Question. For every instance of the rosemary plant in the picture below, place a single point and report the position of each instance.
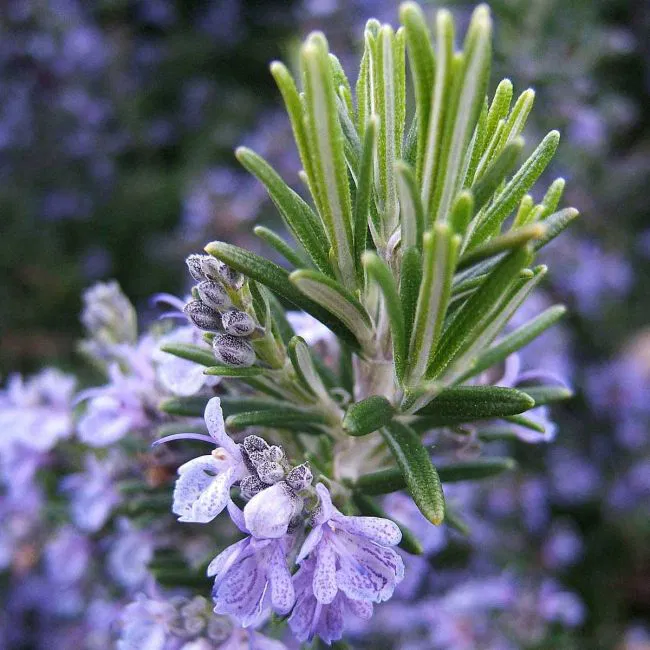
(415, 247)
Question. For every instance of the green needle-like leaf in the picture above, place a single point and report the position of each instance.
(275, 241)
(555, 224)
(230, 371)
(419, 473)
(297, 215)
(190, 352)
(552, 197)
(364, 194)
(466, 109)
(303, 364)
(326, 142)
(469, 403)
(501, 244)
(286, 417)
(516, 340)
(391, 480)
(420, 52)
(488, 183)
(440, 252)
(410, 287)
(506, 201)
(411, 210)
(499, 107)
(337, 300)
(381, 274)
(368, 415)
(439, 100)
(547, 394)
(188, 406)
(475, 315)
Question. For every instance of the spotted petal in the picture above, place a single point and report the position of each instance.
(241, 592)
(203, 488)
(325, 574)
(217, 429)
(379, 530)
(368, 571)
(282, 592)
(222, 562)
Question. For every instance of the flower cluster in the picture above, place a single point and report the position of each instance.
(346, 563)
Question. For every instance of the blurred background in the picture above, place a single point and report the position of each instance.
(117, 123)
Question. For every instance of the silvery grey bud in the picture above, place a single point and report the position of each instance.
(275, 453)
(254, 443)
(202, 316)
(233, 351)
(299, 477)
(214, 295)
(232, 278)
(270, 472)
(195, 267)
(250, 486)
(238, 323)
(211, 268)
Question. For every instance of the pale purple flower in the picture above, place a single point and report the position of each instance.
(113, 410)
(180, 376)
(67, 555)
(36, 413)
(108, 315)
(203, 485)
(130, 553)
(92, 493)
(252, 577)
(348, 566)
(311, 617)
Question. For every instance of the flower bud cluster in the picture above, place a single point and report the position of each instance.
(212, 310)
(269, 466)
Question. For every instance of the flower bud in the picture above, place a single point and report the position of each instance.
(270, 472)
(214, 295)
(254, 443)
(299, 477)
(250, 485)
(233, 351)
(195, 267)
(202, 316)
(211, 268)
(238, 323)
(232, 278)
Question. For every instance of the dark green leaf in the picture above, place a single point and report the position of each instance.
(468, 403)
(368, 415)
(419, 473)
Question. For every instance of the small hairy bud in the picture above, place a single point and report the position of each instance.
(233, 351)
(202, 316)
(211, 268)
(250, 486)
(299, 477)
(254, 443)
(214, 295)
(270, 472)
(238, 323)
(275, 453)
(231, 277)
(195, 267)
